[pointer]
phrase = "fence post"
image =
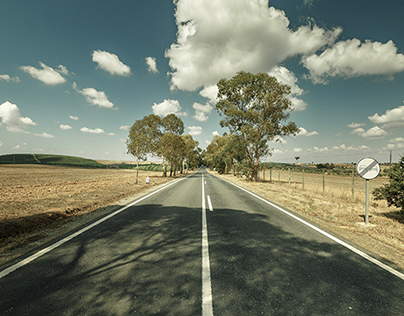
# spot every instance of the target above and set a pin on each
(303, 179)
(289, 176)
(279, 176)
(270, 175)
(264, 174)
(323, 180)
(353, 183)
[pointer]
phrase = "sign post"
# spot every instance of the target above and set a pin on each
(368, 169)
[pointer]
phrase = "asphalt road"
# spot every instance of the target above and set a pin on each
(200, 246)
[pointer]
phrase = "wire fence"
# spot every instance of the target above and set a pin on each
(347, 185)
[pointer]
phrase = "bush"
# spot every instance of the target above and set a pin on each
(393, 192)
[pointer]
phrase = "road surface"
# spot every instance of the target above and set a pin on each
(199, 246)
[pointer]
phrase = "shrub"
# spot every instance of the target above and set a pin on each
(393, 192)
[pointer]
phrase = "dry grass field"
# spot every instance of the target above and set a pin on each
(34, 198)
(336, 210)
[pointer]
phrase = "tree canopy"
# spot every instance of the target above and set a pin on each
(255, 108)
(162, 137)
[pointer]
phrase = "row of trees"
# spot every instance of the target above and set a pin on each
(163, 137)
(255, 110)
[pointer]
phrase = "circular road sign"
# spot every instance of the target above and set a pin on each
(368, 168)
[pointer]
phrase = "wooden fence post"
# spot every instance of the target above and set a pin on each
(303, 179)
(353, 183)
(289, 176)
(323, 180)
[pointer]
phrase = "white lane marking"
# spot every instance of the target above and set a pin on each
(207, 309)
(210, 204)
(357, 251)
(70, 237)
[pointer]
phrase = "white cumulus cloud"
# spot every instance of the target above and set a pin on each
(352, 58)
(11, 116)
(392, 118)
(95, 97)
(110, 63)
(304, 132)
(47, 74)
(74, 118)
(201, 111)
(93, 131)
(195, 130)
(8, 78)
(45, 135)
(152, 65)
(168, 107)
(65, 127)
(217, 38)
(372, 133)
(355, 125)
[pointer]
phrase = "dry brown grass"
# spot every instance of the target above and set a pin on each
(35, 198)
(336, 210)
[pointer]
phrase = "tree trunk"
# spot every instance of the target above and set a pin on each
(137, 172)
(164, 168)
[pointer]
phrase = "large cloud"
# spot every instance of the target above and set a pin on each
(353, 58)
(110, 63)
(11, 116)
(47, 74)
(217, 38)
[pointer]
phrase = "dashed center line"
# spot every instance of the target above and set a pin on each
(207, 309)
(210, 204)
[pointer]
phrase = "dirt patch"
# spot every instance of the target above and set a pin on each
(37, 199)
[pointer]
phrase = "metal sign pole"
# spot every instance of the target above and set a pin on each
(367, 203)
(368, 168)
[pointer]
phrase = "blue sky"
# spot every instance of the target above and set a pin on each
(74, 75)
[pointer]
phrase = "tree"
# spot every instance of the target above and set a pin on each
(172, 148)
(225, 152)
(174, 125)
(192, 151)
(143, 138)
(255, 108)
(394, 191)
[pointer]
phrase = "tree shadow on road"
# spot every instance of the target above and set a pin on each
(147, 261)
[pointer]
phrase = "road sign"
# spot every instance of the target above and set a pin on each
(368, 168)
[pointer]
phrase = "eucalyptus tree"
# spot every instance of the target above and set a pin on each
(255, 108)
(172, 148)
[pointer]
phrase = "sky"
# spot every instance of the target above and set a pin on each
(75, 75)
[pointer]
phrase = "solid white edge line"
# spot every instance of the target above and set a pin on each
(66, 239)
(357, 251)
(207, 309)
(209, 203)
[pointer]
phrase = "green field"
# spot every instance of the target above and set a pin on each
(45, 159)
